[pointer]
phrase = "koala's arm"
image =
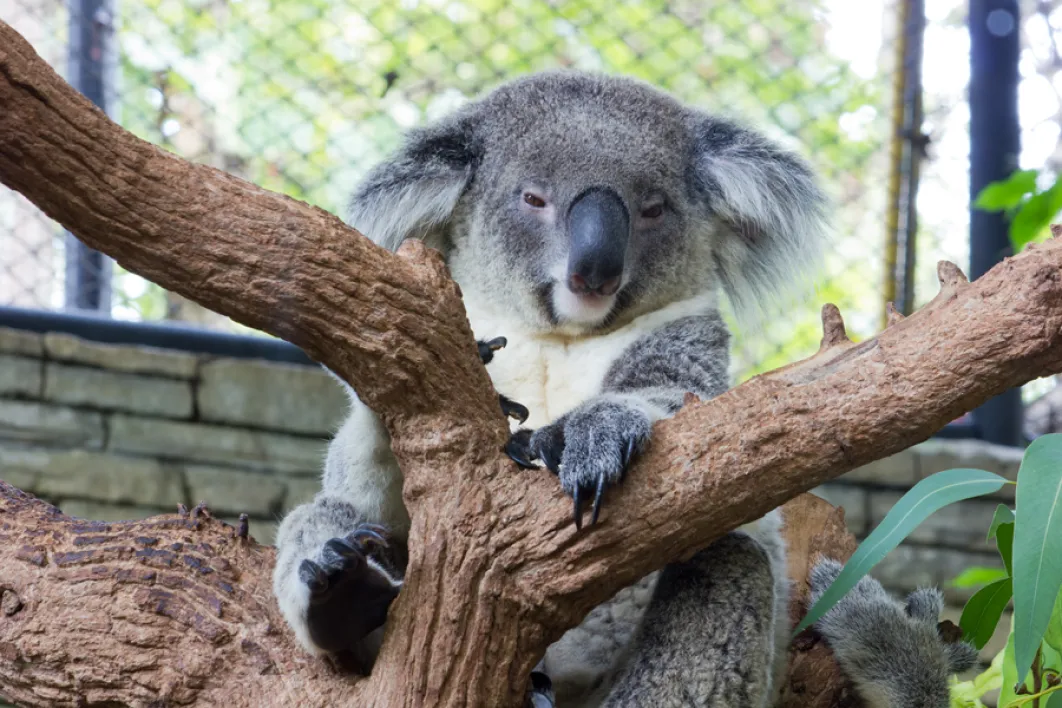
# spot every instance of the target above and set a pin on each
(335, 577)
(591, 446)
(689, 355)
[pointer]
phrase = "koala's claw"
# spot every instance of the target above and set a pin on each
(349, 597)
(599, 495)
(540, 691)
(313, 576)
(519, 449)
(513, 410)
(487, 348)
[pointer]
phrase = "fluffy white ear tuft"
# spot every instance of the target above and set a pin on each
(413, 194)
(769, 205)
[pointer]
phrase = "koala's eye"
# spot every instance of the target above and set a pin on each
(653, 212)
(534, 200)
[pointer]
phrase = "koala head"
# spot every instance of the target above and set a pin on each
(578, 201)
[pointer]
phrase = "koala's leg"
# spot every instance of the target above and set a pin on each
(340, 558)
(893, 652)
(715, 632)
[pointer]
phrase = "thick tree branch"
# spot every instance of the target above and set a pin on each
(497, 570)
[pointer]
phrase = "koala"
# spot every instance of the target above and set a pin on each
(595, 221)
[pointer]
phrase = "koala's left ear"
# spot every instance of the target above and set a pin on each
(413, 194)
(770, 207)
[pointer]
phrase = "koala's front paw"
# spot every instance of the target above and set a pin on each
(589, 448)
(349, 594)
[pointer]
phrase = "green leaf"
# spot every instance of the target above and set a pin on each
(1051, 659)
(1010, 674)
(1007, 193)
(982, 612)
(978, 575)
(1035, 215)
(1005, 544)
(1003, 515)
(929, 495)
(967, 694)
(1037, 545)
(1053, 636)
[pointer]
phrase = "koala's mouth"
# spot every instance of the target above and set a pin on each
(588, 309)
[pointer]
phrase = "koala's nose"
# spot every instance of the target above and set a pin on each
(599, 227)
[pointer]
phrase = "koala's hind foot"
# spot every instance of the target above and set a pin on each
(349, 590)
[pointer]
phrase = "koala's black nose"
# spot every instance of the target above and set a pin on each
(598, 227)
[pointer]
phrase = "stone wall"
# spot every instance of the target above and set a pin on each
(109, 432)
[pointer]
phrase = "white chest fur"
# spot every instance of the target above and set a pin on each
(552, 373)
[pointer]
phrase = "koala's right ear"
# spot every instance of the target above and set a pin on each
(413, 194)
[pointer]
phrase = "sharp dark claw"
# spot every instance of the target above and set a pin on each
(552, 460)
(599, 494)
(630, 453)
(577, 499)
(341, 548)
(519, 449)
(514, 410)
(371, 535)
(487, 349)
(313, 576)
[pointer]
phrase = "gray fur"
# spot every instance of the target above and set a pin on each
(892, 651)
(739, 213)
(687, 654)
(646, 383)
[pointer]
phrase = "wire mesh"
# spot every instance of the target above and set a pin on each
(304, 96)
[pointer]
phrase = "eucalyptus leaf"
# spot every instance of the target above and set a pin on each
(982, 612)
(1053, 636)
(1008, 193)
(1005, 544)
(1034, 216)
(929, 495)
(1037, 546)
(978, 575)
(1010, 674)
(1003, 515)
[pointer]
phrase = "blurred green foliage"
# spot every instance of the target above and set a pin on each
(1029, 208)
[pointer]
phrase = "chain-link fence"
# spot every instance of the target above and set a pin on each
(303, 96)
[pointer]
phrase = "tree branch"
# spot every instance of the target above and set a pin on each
(496, 570)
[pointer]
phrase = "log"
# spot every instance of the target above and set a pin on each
(497, 571)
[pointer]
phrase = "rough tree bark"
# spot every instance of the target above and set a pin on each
(174, 609)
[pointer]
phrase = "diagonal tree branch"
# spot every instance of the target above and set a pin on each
(496, 569)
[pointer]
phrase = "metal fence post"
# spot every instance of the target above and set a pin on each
(995, 144)
(91, 66)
